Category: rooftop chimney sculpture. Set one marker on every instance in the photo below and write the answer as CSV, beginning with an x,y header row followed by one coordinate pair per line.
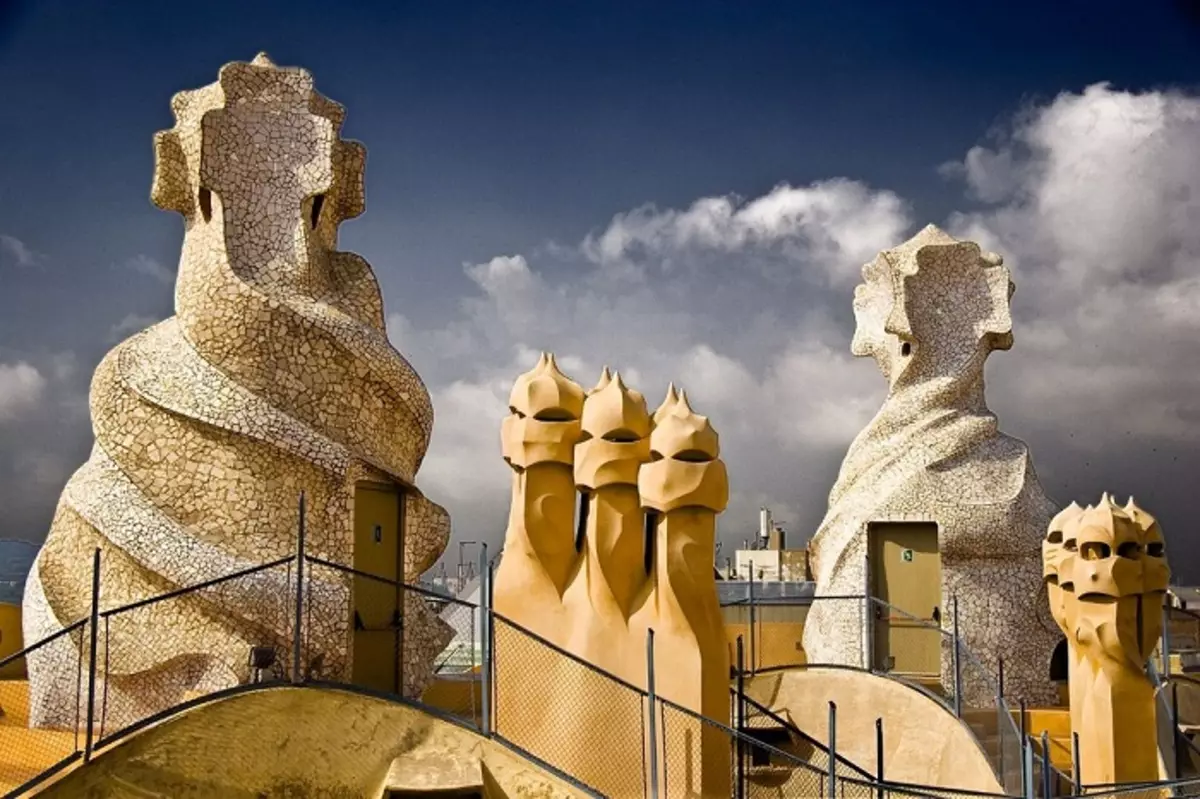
x,y
1106,573
274,376
648,490
929,312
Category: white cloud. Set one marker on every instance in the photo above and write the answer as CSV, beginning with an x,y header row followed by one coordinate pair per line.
x,y
17,250
21,388
150,267
826,229
1096,201
130,323
748,355
1093,199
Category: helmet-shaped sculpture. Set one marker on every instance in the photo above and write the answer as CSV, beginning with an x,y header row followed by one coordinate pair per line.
x,y
274,376
1106,573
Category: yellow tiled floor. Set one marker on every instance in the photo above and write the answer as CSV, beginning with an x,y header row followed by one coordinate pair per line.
x,y
25,753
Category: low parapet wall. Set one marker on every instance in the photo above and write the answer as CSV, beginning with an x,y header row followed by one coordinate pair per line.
x,y
924,744
306,741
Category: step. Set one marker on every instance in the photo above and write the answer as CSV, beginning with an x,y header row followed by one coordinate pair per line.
x,y
1054,720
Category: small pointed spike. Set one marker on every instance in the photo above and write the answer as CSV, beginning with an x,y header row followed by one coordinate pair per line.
x,y
605,379
683,403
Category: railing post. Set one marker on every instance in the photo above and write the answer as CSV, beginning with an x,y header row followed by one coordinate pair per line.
x,y
1076,771
298,629
1027,768
1175,729
94,624
651,701
1046,782
485,648
879,792
1165,643
832,750
958,703
868,626
1000,676
740,720
1026,757
753,661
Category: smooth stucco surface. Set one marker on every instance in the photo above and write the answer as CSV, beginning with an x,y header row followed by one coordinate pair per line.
x,y
923,742
302,742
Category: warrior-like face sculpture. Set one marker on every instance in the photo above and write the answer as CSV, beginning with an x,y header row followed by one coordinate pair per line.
x,y
544,423
1056,559
1117,575
933,300
261,138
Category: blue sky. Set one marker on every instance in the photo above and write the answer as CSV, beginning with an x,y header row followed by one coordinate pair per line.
x,y
516,130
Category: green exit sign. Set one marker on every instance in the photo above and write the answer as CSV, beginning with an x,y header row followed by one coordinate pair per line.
x,y
906,555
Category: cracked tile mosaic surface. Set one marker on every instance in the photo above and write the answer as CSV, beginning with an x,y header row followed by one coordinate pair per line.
x,y
274,376
930,312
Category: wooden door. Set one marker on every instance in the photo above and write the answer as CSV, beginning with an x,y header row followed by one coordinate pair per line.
x,y
906,573
377,603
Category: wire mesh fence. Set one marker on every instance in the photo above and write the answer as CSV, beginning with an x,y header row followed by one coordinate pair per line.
x,y
1188,787
164,651
699,757
456,685
59,709
1009,750
754,719
334,624
771,627
567,713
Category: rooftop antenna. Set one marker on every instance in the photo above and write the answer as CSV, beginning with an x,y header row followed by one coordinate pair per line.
x,y
462,572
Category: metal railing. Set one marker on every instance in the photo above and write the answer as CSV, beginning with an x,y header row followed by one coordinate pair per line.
x,y
290,621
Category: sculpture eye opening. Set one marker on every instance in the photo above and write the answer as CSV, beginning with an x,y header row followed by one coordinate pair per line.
x,y
621,436
512,409
1129,549
1095,550
1155,550
1070,544
317,204
906,349
204,200
1055,537
650,525
693,456
554,415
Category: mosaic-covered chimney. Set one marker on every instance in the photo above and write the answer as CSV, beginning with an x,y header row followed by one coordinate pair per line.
x,y
274,377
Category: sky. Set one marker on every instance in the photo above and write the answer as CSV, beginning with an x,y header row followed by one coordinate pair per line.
x,y
683,191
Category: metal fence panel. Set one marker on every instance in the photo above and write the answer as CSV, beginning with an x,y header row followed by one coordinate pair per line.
x,y
598,737
162,652
61,712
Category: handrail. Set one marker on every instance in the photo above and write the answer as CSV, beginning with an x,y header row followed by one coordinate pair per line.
x,y
792,728
416,588
49,639
187,589
492,617
1161,699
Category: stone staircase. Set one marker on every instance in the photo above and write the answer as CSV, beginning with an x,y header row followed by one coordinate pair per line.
x,y
1055,721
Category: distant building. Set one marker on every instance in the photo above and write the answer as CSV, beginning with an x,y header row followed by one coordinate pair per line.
x,y
770,560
